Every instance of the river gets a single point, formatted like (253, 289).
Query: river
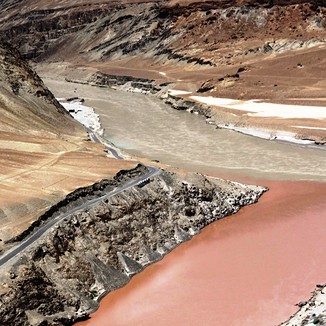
(248, 269)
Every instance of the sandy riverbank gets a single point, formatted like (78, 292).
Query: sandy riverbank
(313, 118)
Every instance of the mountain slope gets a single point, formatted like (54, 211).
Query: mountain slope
(44, 152)
(238, 49)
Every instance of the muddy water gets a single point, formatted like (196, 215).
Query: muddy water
(248, 269)
(153, 130)
(143, 125)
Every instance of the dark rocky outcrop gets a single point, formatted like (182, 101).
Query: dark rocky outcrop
(61, 278)
(105, 31)
(79, 196)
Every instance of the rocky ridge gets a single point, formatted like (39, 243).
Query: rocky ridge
(311, 312)
(161, 30)
(23, 89)
(61, 278)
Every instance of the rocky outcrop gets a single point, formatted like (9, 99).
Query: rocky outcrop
(125, 83)
(201, 33)
(16, 72)
(311, 312)
(25, 100)
(61, 278)
(79, 196)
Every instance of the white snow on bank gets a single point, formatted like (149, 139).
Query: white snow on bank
(176, 92)
(260, 109)
(307, 127)
(162, 73)
(83, 114)
(283, 136)
(312, 312)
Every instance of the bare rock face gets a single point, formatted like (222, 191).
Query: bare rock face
(311, 312)
(19, 75)
(192, 32)
(61, 278)
(25, 101)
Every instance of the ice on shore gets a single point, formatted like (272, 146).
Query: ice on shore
(269, 135)
(83, 114)
(175, 92)
(307, 127)
(261, 109)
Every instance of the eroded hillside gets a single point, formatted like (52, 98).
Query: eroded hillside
(268, 50)
(40, 147)
(202, 32)
(61, 277)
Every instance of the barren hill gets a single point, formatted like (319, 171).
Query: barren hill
(40, 147)
(239, 49)
(111, 230)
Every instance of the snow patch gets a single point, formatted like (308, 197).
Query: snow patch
(284, 136)
(177, 92)
(83, 114)
(261, 109)
(307, 127)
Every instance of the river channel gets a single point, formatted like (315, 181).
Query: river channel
(145, 126)
(247, 269)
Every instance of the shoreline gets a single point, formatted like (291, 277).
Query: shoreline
(104, 97)
(87, 116)
(176, 101)
(174, 98)
(121, 301)
(312, 311)
(104, 294)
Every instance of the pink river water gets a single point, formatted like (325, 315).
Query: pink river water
(247, 269)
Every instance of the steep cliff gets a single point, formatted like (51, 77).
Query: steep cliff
(26, 104)
(197, 32)
(97, 250)
(41, 146)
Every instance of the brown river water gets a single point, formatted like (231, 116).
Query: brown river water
(247, 269)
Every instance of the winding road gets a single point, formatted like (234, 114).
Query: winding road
(98, 139)
(152, 171)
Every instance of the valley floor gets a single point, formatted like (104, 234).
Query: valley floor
(270, 287)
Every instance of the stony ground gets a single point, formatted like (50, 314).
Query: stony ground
(97, 250)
